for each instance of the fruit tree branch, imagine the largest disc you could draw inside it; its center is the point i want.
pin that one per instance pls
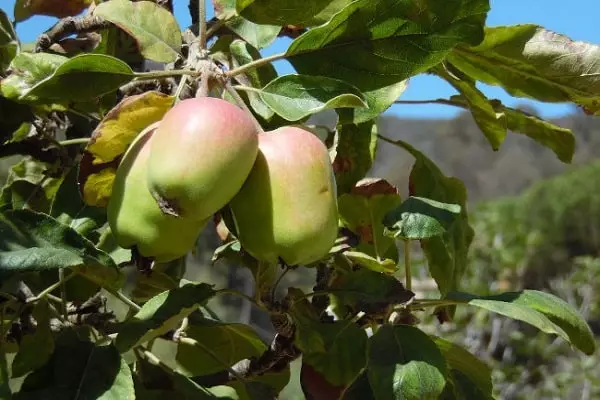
(69, 26)
(254, 64)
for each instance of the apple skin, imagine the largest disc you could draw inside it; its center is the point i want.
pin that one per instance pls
(201, 154)
(135, 218)
(287, 207)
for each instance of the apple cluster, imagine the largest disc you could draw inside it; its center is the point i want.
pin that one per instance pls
(207, 153)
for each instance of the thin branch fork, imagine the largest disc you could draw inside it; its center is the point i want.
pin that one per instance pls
(69, 26)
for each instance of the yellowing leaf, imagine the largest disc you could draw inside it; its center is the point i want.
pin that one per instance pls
(97, 187)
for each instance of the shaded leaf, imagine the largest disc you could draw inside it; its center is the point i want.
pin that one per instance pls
(9, 43)
(362, 211)
(154, 28)
(315, 386)
(107, 73)
(446, 254)
(110, 140)
(80, 369)
(404, 363)
(164, 276)
(360, 389)
(365, 260)
(162, 313)
(353, 153)
(28, 69)
(465, 366)
(264, 386)
(15, 118)
(420, 218)
(296, 96)
(24, 9)
(35, 349)
(230, 342)
(376, 45)
(542, 310)
(35, 241)
(530, 61)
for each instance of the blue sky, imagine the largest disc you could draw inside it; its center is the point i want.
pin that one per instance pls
(578, 19)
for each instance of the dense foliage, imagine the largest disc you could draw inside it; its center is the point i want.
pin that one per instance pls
(73, 103)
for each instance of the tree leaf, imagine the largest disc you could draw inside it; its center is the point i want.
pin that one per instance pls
(446, 254)
(255, 387)
(9, 43)
(530, 61)
(32, 241)
(110, 140)
(464, 366)
(368, 291)
(154, 28)
(296, 96)
(404, 363)
(290, 12)
(420, 218)
(24, 9)
(490, 120)
(36, 348)
(107, 73)
(162, 313)
(79, 369)
(542, 310)
(231, 342)
(15, 117)
(362, 211)
(336, 350)
(164, 276)
(382, 265)
(28, 69)
(258, 36)
(354, 150)
(376, 45)
(315, 386)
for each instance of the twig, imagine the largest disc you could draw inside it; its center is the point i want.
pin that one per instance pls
(63, 293)
(231, 90)
(435, 101)
(165, 74)
(278, 281)
(202, 23)
(254, 64)
(76, 141)
(242, 295)
(50, 289)
(68, 26)
(126, 300)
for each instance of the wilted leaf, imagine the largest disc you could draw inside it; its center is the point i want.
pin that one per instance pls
(362, 211)
(231, 342)
(25, 9)
(71, 80)
(530, 61)
(34, 241)
(353, 152)
(80, 369)
(376, 45)
(154, 28)
(404, 363)
(162, 313)
(296, 96)
(35, 349)
(420, 218)
(546, 312)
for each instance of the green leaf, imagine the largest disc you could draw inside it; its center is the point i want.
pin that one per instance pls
(290, 12)
(32, 241)
(261, 387)
(376, 45)
(80, 369)
(365, 260)
(108, 244)
(368, 291)
(542, 310)
(378, 100)
(231, 342)
(15, 117)
(107, 73)
(243, 53)
(446, 254)
(162, 313)
(490, 120)
(472, 377)
(530, 61)
(35, 349)
(164, 276)
(69, 209)
(420, 218)
(28, 69)
(360, 389)
(354, 150)
(336, 350)
(404, 363)
(259, 36)
(297, 96)
(9, 43)
(154, 28)
(362, 211)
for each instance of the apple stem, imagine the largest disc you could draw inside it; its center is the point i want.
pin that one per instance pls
(254, 64)
(233, 93)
